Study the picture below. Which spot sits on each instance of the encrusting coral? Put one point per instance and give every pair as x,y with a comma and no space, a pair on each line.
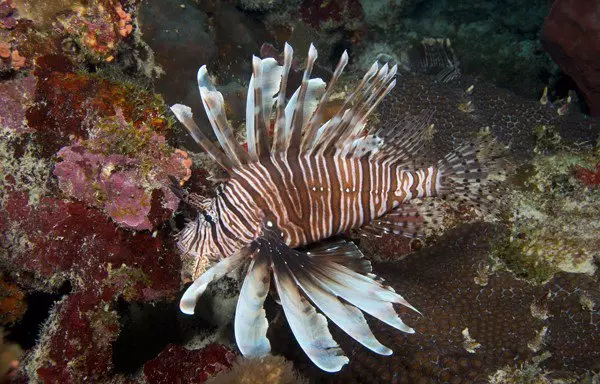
267,369
555,213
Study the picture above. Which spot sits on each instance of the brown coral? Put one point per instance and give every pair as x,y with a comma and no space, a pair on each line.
267,369
502,329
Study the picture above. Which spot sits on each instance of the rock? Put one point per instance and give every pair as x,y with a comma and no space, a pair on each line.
571,35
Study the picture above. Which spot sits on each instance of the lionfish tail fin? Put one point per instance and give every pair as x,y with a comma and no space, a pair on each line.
473,174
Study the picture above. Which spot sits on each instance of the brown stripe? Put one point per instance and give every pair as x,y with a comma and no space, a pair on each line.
281,186
335,196
365,193
415,183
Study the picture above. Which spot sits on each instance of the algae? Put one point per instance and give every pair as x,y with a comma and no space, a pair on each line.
555,220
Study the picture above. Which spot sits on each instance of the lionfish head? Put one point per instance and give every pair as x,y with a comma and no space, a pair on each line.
198,238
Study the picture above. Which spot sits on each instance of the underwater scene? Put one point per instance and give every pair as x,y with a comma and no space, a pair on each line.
299,191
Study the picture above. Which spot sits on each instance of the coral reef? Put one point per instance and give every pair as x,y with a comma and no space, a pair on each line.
443,283
511,118
177,364
555,222
570,36
16,96
268,369
129,178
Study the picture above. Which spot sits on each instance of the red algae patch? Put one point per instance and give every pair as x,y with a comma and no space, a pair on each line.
177,364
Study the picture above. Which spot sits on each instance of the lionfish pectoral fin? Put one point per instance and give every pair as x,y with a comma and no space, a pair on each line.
217,271
405,141
328,276
250,325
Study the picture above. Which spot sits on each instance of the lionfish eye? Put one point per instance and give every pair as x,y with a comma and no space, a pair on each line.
208,218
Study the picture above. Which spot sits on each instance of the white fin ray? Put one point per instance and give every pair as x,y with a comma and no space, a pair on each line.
344,124
297,120
214,105
280,136
342,252
363,292
298,123
349,318
264,84
309,326
251,323
312,127
185,116
375,91
314,91
220,269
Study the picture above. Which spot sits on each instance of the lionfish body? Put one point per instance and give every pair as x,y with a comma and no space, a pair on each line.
312,197
315,179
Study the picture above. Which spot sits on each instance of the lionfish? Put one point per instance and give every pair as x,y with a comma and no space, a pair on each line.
311,180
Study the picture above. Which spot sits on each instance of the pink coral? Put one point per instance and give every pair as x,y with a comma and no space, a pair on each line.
15,97
120,185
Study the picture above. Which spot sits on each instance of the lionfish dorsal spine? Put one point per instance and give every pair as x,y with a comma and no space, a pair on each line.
313,128
279,136
297,119
214,105
298,122
264,85
185,116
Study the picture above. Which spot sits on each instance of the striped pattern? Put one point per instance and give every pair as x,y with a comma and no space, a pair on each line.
315,179
312,197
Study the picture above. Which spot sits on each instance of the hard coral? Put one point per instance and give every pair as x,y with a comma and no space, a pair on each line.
67,103
21,168
61,240
15,97
555,223
503,328
76,343
125,187
177,364
267,369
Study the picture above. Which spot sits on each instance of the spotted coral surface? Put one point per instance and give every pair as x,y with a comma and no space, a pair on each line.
504,318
